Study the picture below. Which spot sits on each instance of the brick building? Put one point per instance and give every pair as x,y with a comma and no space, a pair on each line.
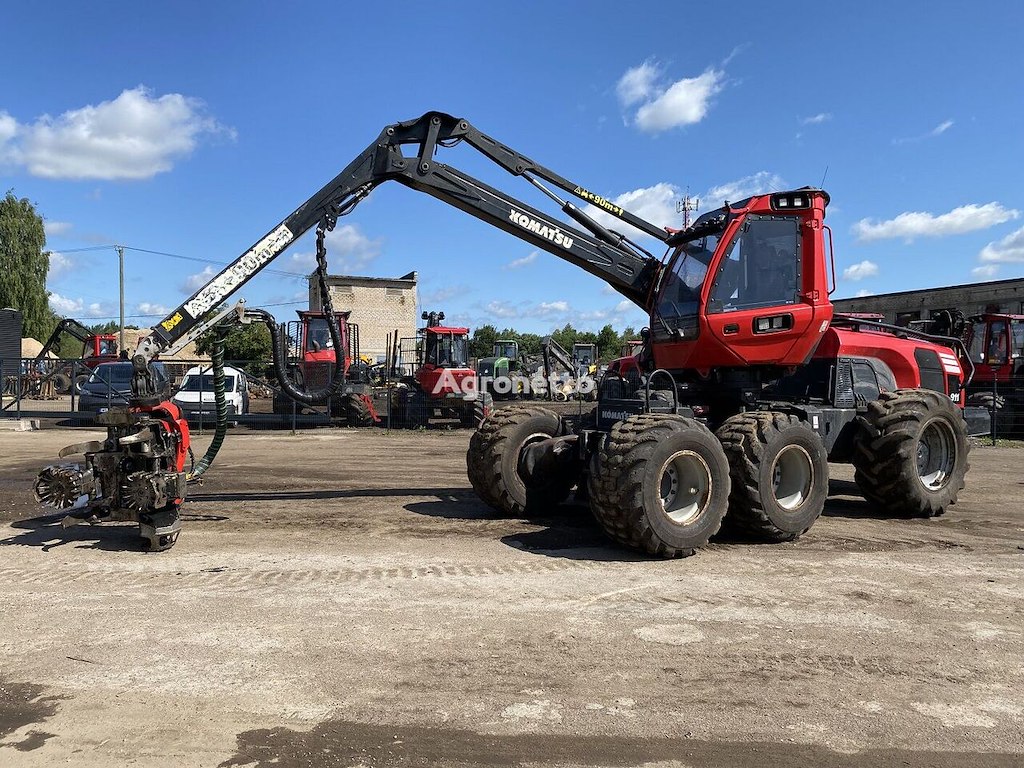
379,306
971,299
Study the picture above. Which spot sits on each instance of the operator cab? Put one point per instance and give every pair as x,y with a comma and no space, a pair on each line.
444,355
996,340
446,347
746,285
506,349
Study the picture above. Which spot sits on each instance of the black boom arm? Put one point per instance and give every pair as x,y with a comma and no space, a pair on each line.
601,252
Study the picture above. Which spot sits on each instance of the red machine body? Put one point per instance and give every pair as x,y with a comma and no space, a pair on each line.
445,361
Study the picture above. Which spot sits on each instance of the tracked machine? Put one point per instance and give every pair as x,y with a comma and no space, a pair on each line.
746,388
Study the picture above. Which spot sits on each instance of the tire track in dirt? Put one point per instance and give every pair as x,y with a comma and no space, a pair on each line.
230,579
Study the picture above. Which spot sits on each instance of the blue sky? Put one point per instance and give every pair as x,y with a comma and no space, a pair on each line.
192,129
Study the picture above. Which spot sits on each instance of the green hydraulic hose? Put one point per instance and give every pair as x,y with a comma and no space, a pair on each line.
221,403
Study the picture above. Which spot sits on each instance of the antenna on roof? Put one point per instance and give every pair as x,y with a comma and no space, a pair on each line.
686,205
822,185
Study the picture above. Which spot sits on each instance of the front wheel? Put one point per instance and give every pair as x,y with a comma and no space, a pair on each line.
496,470
660,484
911,456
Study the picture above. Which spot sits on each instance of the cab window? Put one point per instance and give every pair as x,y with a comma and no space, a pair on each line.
997,343
761,267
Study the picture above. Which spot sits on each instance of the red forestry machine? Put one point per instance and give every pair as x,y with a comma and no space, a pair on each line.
96,348
438,382
995,344
748,385
313,364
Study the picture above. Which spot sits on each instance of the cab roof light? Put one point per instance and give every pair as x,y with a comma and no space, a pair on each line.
791,201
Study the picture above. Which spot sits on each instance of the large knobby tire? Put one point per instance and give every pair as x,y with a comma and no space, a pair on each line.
911,456
492,462
357,412
660,484
474,416
779,471
61,383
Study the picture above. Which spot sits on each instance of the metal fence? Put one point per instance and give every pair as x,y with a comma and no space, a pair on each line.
68,393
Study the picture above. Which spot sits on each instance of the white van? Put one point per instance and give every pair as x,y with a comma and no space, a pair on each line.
195,393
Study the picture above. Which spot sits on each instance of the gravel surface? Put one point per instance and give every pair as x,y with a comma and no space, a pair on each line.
340,598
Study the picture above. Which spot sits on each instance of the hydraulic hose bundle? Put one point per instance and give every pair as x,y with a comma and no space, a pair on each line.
220,403
315,397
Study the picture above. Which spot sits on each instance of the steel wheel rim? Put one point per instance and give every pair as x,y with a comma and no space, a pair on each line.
535,437
684,487
936,454
792,476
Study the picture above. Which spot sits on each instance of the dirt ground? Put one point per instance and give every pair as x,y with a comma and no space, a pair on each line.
340,598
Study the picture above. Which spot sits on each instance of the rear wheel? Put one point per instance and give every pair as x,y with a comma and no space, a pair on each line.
779,471
494,462
61,383
357,412
911,458
660,484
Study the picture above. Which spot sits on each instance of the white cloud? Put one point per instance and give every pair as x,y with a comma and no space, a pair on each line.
147,308
817,119
60,265
63,305
8,130
863,292
860,270
557,313
664,106
637,84
733,191
349,251
68,307
135,136
1009,249
657,203
55,228
441,295
548,308
528,259
938,130
501,309
910,225
985,271
194,282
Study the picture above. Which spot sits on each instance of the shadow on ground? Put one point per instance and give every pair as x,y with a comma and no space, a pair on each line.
341,743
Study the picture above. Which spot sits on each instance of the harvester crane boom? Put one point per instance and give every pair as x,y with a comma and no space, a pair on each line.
603,253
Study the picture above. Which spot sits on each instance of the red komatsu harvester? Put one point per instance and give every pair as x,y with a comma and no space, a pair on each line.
746,388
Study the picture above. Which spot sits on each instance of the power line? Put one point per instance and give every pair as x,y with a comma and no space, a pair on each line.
143,317
173,256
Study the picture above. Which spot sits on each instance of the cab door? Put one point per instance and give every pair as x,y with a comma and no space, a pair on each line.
755,308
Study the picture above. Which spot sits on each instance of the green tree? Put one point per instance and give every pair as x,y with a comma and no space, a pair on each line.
565,336
529,343
247,345
608,343
24,265
111,326
482,342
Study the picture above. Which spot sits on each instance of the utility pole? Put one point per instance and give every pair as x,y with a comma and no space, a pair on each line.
120,273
